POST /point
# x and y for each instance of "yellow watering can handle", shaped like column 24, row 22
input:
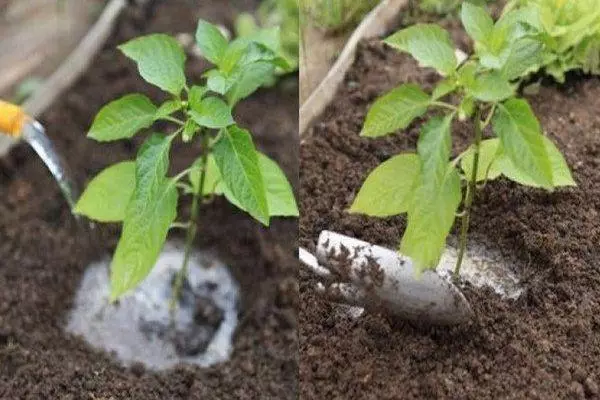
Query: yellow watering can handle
column 12, row 119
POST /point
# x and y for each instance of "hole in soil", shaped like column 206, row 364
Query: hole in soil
column 138, row 329
column 483, row 268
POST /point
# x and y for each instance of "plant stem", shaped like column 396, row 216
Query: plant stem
column 192, row 228
column 470, row 194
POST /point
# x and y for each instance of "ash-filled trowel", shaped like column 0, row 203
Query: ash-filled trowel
column 14, row 122
column 360, row 274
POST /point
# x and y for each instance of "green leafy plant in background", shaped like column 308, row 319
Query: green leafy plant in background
column 428, row 185
column 140, row 193
column 570, row 31
column 336, row 15
column 284, row 14
column 440, row 7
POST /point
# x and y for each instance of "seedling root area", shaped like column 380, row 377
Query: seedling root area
column 140, row 328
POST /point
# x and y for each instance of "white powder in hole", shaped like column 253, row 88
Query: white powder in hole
column 138, row 328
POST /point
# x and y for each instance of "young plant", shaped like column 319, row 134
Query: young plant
column 428, row 185
column 570, row 30
column 139, row 192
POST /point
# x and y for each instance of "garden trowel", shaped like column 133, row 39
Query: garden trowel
column 14, row 122
column 360, row 274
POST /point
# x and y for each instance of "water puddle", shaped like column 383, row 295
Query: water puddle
column 138, row 328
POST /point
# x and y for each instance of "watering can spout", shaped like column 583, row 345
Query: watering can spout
column 15, row 122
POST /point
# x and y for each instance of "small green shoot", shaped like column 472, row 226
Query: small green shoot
column 428, row 185
column 140, row 193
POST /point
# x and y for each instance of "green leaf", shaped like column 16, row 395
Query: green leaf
column 280, row 196
column 152, row 209
column 491, row 88
column 477, row 22
column 389, row 188
column 106, row 197
column 395, row 110
column 268, row 37
column 467, row 73
column 213, row 113
column 248, row 79
column 444, row 88
column 247, row 64
column 488, row 156
column 196, row 95
column 561, row 175
column 496, row 50
column 522, row 140
column 160, row 61
column 493, row 61
column 239, row 168
column 217, row 82
column 263, row 46
column 123, row 118
column 168, row 108
column 255, row 52
column 429, row 44
column 526, row 55
column 211, row 41
column 433, row 207
column 433, row 147
column 430, row 219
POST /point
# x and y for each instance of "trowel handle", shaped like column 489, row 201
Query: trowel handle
column 12, row 119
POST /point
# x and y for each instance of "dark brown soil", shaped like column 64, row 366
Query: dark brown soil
column 43, row 252
column 545, row 345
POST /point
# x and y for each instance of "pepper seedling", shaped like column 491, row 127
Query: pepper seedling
column 428, row 185
column 139, row 193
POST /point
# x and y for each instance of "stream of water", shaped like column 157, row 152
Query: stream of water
column 35, row 135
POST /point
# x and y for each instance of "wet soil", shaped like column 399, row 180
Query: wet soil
column 44, row 252
column 545, row 345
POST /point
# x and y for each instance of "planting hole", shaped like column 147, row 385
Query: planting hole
column 482, row 267
column 138, row 328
